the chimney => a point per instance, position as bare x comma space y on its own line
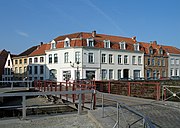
93, 33
41, 43
134, 38
155, 42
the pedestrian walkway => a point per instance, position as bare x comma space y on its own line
161, 114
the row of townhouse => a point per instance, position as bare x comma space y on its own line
96, 56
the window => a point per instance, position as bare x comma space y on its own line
177, 61
35, 60
30, 69
104, 74
119, 59
106, 43
136, 47
20, 70
90, 58
67, 75
30, 60
110, 74
77, 57
151, 50
66, 57
16, 70
110, 58
90, 42
139, 60
172, 72
148, 74
67, 42
16, 61
153, 62
161, 51
133, 59
41, 59
50, 58
35, 70
122, 45
55, 58
41, 69
163, 73
25, 61
125, 59
20, 61
103, 59
177, 72
159, 62
163, 62
172, 61
136, 73
119, 74
154, 74
53, 44
9, 62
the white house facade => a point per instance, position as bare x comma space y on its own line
174, 65
72, 58
8, 69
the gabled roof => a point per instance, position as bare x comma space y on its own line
80, 39
156, 47
171, 49
28, 51
40, 50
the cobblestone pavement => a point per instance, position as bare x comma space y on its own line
60, 121
162, 115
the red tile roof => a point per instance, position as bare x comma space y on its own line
98, 40
171, 49
40, 50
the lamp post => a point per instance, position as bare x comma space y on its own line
77, 70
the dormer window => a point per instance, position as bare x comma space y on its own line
67, 42
136, 47
161, 51
90, 42
107, 43
151, 50
53, 44
122, 45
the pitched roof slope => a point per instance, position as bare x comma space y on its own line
171, 49
28, 51
40, 50
79, 39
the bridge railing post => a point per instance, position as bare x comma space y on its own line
79, 105
24, 107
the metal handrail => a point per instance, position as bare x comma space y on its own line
25, 94
146, 121
29, 83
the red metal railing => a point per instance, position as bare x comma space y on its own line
138, 89
68, 86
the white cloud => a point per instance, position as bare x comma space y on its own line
24, 34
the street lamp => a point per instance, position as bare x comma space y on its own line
77, 72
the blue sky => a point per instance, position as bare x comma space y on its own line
25, 23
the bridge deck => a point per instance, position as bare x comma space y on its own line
161, 114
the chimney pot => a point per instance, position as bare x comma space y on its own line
93, 33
